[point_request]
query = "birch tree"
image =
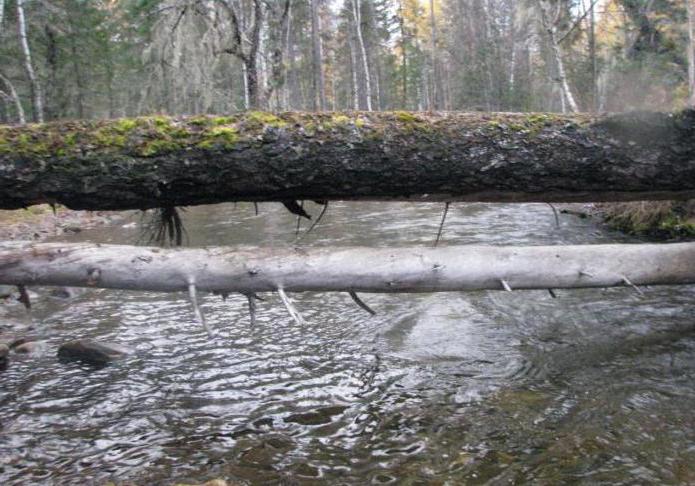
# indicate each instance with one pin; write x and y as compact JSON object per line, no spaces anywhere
{"x":34,"y":85}
{"x":357,"y":18}
{"x":549,"y":21}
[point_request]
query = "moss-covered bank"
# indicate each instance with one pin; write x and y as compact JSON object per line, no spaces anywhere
{"x":659,"y":219}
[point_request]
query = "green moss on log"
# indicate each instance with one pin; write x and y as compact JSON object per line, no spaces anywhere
{"x":160,"y":161}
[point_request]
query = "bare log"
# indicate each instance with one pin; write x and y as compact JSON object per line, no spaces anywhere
{"x":248,"y":270}
{"x":164,"y":162}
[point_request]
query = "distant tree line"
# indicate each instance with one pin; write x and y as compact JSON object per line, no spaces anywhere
{"x":110,"y":58}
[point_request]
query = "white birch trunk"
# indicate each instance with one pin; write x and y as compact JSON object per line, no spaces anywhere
{"x":37,"y":98}
{"x":14,"y":97}
{"x":383,"y":270}
{"x":363,"y":52}
{"x":550,"y":29}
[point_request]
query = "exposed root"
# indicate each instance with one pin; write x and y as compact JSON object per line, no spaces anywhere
{"x":361,"y":303}
{"x":552,"y":293}
{"x":200,"y":317}
{"x":441,"y":224}
{"x":290,"y":307}
{"x":164,"y":228}
{"x":320,"y":217}
{"x":294,"y":208}
{"x":255,"y":207}
{"x":506,"y":286}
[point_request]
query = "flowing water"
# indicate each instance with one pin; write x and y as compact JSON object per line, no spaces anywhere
{"x":593,"y":387}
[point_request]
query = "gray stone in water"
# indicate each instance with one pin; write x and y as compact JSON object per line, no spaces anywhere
{"x":64,"y":292}
{"x":4,"y":351}
{"x":28,"y":347}
{"x":91,"y":351}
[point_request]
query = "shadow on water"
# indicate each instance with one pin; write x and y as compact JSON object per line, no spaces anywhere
{"x":595,"y":386}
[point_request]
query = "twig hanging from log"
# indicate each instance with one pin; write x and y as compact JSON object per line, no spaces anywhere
{"x":252,"y":308}
{"x":361,"y":303}
{"x":200,"y":317}
{"x":294,"y":313}
{"x":441,"y":224}
{"x":629,"y":283}
{"x":557,"y":217}
{"x":318,"y":219}
{"x":24,"y":297}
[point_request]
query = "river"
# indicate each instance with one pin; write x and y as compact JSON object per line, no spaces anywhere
{"x":592,"y":387}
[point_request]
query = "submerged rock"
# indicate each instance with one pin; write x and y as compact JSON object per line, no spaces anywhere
{"x":319,"y":416}
{"x":28,"y":347}
{"x":4,"y":351}
{"x":91,"y":351}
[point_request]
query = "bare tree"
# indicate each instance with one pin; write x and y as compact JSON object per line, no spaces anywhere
{"x":34,"y":84}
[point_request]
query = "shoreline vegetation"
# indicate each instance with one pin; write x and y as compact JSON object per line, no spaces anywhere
{"x":663,"y":220}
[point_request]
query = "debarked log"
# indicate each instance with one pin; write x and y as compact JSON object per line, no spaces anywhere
{"x":148,"y":162}
{"x":249,"y":270}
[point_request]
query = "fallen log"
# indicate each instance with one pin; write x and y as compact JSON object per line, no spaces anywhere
{"x":249,"y":270}
{"x":165,"y":162}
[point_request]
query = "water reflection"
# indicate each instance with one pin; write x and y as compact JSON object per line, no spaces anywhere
{"x":595,"y":386}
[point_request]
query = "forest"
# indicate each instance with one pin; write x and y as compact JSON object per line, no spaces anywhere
{"x":68,"y":59}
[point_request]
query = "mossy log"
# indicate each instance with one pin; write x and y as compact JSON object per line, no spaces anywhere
{"x":148,"y":162}
{"x":384,"y":270}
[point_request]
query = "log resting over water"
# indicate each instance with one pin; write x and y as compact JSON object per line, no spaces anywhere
{"x":247,"y":270}
{"x":159,"y":161}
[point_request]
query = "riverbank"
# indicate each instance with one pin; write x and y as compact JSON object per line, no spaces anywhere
{"x":665,"y":220}
{"x":41,"y":222}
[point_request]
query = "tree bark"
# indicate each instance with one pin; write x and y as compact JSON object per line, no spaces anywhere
{"x":317,"y":59}
{"x":550,"y":27}
{"x":357,"y":17}
{"x":162,"y":162}
{"x":14,"y":97}
{"x":691,"y":50}
{"x":34,"y":85}
{"x":383,"y":270}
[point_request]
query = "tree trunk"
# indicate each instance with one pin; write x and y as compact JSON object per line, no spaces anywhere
{"x":691,"y":50}
{"x":353,"y":74}
{"x":363,"y":52}
{"x":404,"y":57}
{"x":12,"y":95}
{"x":592,"y":55}
{"x":34,"y":85}
{"x":550,"y":27}
{"x":317,"y":59}
{"x":383,"y":270}
{"x":161,"y":162}
{"x":433,"y":58}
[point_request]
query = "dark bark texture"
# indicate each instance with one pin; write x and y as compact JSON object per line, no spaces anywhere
{"x":152,"y":162}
